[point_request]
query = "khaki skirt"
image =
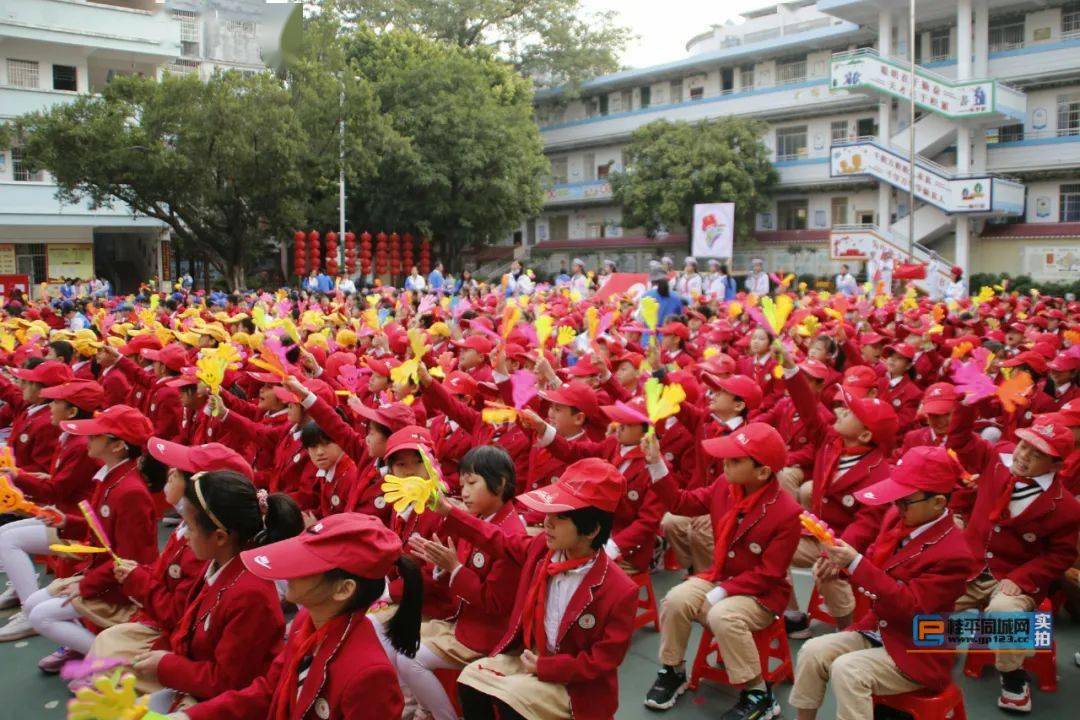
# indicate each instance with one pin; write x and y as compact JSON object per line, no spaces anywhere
{"x":124,"y":642}
{"x":101,"y":613}
{"x":438,"y":636}
{"x":504,"y":677}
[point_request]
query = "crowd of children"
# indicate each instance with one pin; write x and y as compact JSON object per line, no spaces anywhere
{"x":570,"y":443}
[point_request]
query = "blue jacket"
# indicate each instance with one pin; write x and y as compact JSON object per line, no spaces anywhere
{"x":671,"y":305}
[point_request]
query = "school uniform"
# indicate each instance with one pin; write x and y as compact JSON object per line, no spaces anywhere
{"x":334,"y":486}
{"x":33,"y":438}
{"x":229,"y":634}
{"x":591,"y":621}
{"x":283,"y":441}
{"x":904,"y":395}
{"x":69,"y":479}
{"x":116,"y":385}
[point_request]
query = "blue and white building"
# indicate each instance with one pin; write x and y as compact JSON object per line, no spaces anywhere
{"x":996,"y":133}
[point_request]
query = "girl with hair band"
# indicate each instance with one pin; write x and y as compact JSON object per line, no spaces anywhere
{"x":125,"y":511}
{"x":232,"y":625}
{"x":333,"y":666}
{"x":479,"y":586}
{"x":162,"y":588}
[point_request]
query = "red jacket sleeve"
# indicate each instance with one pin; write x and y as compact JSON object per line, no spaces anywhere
{"x":807,"y":406}
{"x":513,"y":547}
{"x":135,"y":375}
{"x":644,"y":527}
{"x":439,"y":400}
{"x":251,"y":703}
{"x":690,"y":503}
{"x":117,"y":389}
{"x":338,"y":430}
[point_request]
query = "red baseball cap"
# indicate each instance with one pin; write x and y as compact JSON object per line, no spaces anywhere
{"x":1046,"y":435}
{"x":1071,"y":411}
{"x":199,"y":458}
{"x":675,"y":328}
{"x":143,"y":341}
{"x":83,"y":394}
{"x":120,"y":421}
{"x":185,"y":378}
{"x":575,"y":394}
{"x":379,"y":367}
{"x":357,"y":543}
{"x":265,"y":377}
{"x":410,"y":437}
{"x":720,"y":364}
{"x":756,"y":440}
{"x":591,"y":482}
{"x":871,"y":338}
{"x":635,"y":359}
{"x":930,"y":469}
{"x":461,"y":383}
{"x":815,"y":369}
{"x":582,"y":368}
{"x":479,"y":343}
{"x":321,"y":390}
{"x":689,"y":384}
{"x":859,"y":380}
{"x":395,"y":416}
{"x":1064,"y":362}
{"x":48,"y":373}
{"x":631,"y":413}
{"x":741,"y":386}
{"x":878,"y":417}
{"x":1035,"y":361}
{"x":939,"y":399}
{"x":172,"y":356}
{"x":903,"y":349}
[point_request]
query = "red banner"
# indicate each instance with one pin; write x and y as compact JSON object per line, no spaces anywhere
{"x":619,"y":283}
{"x":14,"y":282}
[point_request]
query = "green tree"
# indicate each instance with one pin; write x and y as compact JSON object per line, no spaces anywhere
{"x":551,"y":41}
{"x":219,"y":162}
{"x":473,"y":165}
{"x":671,"y":166}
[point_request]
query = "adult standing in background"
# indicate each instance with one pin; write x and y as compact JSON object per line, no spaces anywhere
{"x":957,"y":289}
{"x":435,"y":278}
{"x":757,"y":281}
{"x":845,"y":282}
{"x":563,"y":278}
{"x":579,"y":282}
{"x":415,"y":281}
{"x":689,"y":282}
{"x":670,"y":302}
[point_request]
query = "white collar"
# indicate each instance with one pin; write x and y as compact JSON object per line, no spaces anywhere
{"x":893,"y":382}
{"x":278,"y":413}
{"x":926,"y":526}
{"x":100,"y":475}
{"x":625,"y":450}
{"x":212,"y":573}
{"x":35,"y":409}
{"x":1043,"y":480}
{"x":1062,"y":389}
{"x":732,"y":423}
{"x":295,"y":432}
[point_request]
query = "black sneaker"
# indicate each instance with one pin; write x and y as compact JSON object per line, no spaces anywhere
{"x":670,"y":684}
{"x":799,"y":627}
{"x":754,"y":705}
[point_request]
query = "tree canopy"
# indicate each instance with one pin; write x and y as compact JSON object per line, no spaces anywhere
{"x":671,"y":166}
{"x":551,"y":41}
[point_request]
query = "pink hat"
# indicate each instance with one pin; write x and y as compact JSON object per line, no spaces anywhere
{"x":357,"y":543}
{"x":199,"y":458}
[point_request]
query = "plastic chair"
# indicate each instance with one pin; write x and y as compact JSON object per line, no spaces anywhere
{"x":448,"y":679}
{"x":817,"y":610}
{"x":772,"y":645}
{"x":647,"y":614}
{"x":926,"y":704}
{"x":1042,"y":665}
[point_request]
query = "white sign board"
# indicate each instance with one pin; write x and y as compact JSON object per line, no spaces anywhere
{"x":714,"y":230}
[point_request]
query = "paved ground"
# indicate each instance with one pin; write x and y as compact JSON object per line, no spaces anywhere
{"x":28,"y":695}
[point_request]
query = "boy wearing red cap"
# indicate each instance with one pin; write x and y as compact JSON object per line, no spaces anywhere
{"x":1023,"y":530}
{"x":574,"y":610}
{"x":33,"y":436}
{"x":756,"y":527}
{"x":897,"y":386}
{"x":938,"y":405}
{"x":852,"y":453}
{"x":917,"y":565}
{"x":117,"y":388}
{"x":159,"y":401}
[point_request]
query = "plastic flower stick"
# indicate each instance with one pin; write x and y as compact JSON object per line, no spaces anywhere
{"x":111,"y":697}
{"x":817,"y":528}
{"x":76,"y":549}
{"x":95,"y":526}
{"x":12,"y":500}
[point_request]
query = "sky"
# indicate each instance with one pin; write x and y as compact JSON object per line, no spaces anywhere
{"x":665,"y":26}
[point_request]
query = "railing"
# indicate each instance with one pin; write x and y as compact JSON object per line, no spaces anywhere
{"x":922,"y":161}
{"x":997,"y":139}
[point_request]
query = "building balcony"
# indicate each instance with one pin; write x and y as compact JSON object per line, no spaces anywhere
{"x":1035,"y":151}
{"x":35,"y":204}
{"x":108,"y":29}
{"x":15,"y":101}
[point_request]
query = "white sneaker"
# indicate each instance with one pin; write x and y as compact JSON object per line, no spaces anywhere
{"x":18,"y":627}
{"x":8,"y":598}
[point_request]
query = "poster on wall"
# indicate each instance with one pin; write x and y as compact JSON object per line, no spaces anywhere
{"x":69,"y":260}
{"x":714,"y":230}
{"x":12,"y":282}
{"x":1060,"y":263}
{"x":166,"y":261}
{"x":7,"y":260}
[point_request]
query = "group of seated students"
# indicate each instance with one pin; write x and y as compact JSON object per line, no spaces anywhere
{"x":293,"y":586}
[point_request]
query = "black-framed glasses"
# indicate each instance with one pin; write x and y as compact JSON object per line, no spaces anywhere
{"x":904,"y":504}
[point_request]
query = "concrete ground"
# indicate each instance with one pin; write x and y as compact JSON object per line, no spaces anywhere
{"x":29,"y":695}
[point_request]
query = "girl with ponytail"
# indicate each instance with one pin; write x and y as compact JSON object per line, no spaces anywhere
{"x":333,"y":666}
{"x":232,"y":625}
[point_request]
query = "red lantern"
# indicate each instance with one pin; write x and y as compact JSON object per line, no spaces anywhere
{"x":350,"y":253}
{"x":313,"y":251}
{"x":331,"y":253}
{"x":407,"y":252}
{"x":395,"y":254}
{"x":299,"y":253}
{"x":381,"y":266}
{"x":425,"y":256}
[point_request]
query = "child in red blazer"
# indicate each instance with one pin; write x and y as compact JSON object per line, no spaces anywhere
{"x":335,"y":475}
{"x":897,"y":386}
{"x":333,"y":666}
{"x":917,"y":565}
{"x":756,"y":526}
{"x":33,"y":436}
{"x":573,"y":611}
{"x":232,"y":624}
{"x":479,"y":587}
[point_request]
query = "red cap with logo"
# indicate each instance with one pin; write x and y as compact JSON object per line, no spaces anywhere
{"x":479,"y":343}
{"x":1065,"y":362}
{"x":1046,"y":435}
{"x":582,"y":368}
{"x":939,"y":399}
{"x":144,"y":341}
{"x":741,"y":386}
{"x":756,"y":440}
{"x":395,"y":416}
{"x":120,"y":421}
{"x":591,"y":482}
{"x":575,"y":394}
{"x":48,"y":373}
{"x":902,"y":349}
{"x":878,"y":417}
{"x":930,"y":469}
{"x":199,"y":458}
{"x":631,"y":413}
{"x":379,"y":367}
{"x":677,"y":329}
{"x":412,"y":437}
{"x":1035,"y":361}
{"x":1071,"y":411}
{"x":859,"y":380}
{"x":83,"y":394}
{"x":357,"y":543}
{"x":815,"y":369}
{"x":172,"y":356}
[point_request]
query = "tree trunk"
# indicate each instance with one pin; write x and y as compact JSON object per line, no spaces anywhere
{"x":236,"y":277}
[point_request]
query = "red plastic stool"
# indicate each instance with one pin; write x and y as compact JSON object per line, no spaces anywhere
{"x":647,"y":614}
{"x":1042,"y":665}
{"x":926,"y":704}
{"x":817,"y":610}
{"x":448,"y":679}
{"x":670,"y":563}
{"x":772,"y":644}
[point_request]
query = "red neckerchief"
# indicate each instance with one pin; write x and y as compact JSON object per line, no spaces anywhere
{"x":818,"y":490}
{"x":889,"y":541}
{"x":738,"y":505}
{"x":532,"y":617}
{"x":1000,"y":511}
{"x":307,"y":639}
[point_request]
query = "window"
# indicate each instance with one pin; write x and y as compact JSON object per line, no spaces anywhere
{"x":627,"y":100}
{"x":646,"y":96}
{"x":839,"y":130}
{"x":30,"y":261}
{"x":676,"y":91}
{"x":839,"y":209}
{"x":1006,"y":35}
{"x":595,"y":230}
{"x":559,"y":227}
{"x":746,"y":77}
{"x":1070,"y":21}
{"x":602,"y":171}
{"x":22,"y":73}
{"x":864,"y":217}
{"x":727,"y":80}
{"x":866,"y":127}
{"x":179,"y":66}
{"x":697,"y":93}
{"x":558,"y":171}
{"x":19,"y":170}
{"x":939,"y":44}
{"x":603,"y":104}
{"x":1069,"y":203}
{"x":792,"y":214}
{"x":1011,"y":133}
{"x":65,"y":77}
{"x":791,"y":142}
{"x":189,"y":31}
{"x":1069,"y":114}
{"x":588,"y":167}
{"x":592,"y":107}
{"x":790,"y":72}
